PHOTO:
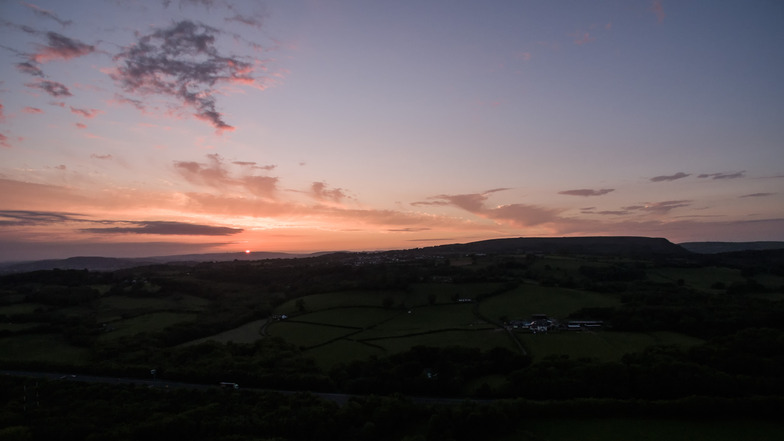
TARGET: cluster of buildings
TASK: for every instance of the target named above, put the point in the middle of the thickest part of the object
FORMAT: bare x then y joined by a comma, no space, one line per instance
542,323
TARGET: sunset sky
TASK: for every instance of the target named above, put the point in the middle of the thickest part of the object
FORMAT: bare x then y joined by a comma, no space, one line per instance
135,128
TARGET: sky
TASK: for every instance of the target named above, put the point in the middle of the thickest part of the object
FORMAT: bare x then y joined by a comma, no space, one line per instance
133,128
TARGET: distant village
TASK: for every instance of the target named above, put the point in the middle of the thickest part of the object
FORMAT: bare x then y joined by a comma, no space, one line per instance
539,323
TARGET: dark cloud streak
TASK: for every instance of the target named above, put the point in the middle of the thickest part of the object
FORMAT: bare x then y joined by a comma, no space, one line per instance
679,175
167,228
585,192
735,175
53,88
47,14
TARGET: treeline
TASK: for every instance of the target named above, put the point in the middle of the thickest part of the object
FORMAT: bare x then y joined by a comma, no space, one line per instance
64,410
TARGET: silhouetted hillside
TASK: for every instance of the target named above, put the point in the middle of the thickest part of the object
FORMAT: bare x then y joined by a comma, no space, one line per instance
607,245
727,247
95,263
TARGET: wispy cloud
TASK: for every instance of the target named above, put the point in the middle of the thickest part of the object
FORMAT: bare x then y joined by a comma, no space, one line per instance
102,157
60,47
30,69
585,192
676,176
658,10
53,88
473,202
321,192
254,165
517,214
32,110
87,113
735,175
582,38
28,218
217,175
4,141
659,207
183,62
47,14
33,217
166,228
757,195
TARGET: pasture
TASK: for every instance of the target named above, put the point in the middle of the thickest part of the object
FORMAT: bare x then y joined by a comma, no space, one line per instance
247,333
45,348
154,322
530,299
648,429
601,345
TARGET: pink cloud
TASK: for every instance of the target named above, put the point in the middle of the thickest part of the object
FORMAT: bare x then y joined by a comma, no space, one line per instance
4,141
97,156
523,215
320,191
525,56
32,110
87,113
30,69
80,126
658,10
60,47
584,38
215,174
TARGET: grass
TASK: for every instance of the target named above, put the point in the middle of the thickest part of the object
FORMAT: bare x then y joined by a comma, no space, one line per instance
49,348
360,317
644,429
601,345
701,278
527,300
247,333
20,308
306,334
418,295
153,322
484,339
342,299
16,327
427,319
342,351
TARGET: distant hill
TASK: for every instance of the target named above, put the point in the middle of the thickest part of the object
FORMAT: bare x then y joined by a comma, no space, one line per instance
95,263
600,245
728,247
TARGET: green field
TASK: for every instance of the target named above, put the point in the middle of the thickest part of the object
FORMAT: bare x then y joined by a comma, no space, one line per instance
48,348
600,345
702,278
247,333
484,339
358,317
154,322
20,308
643,429
418,295
306,334
530,299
